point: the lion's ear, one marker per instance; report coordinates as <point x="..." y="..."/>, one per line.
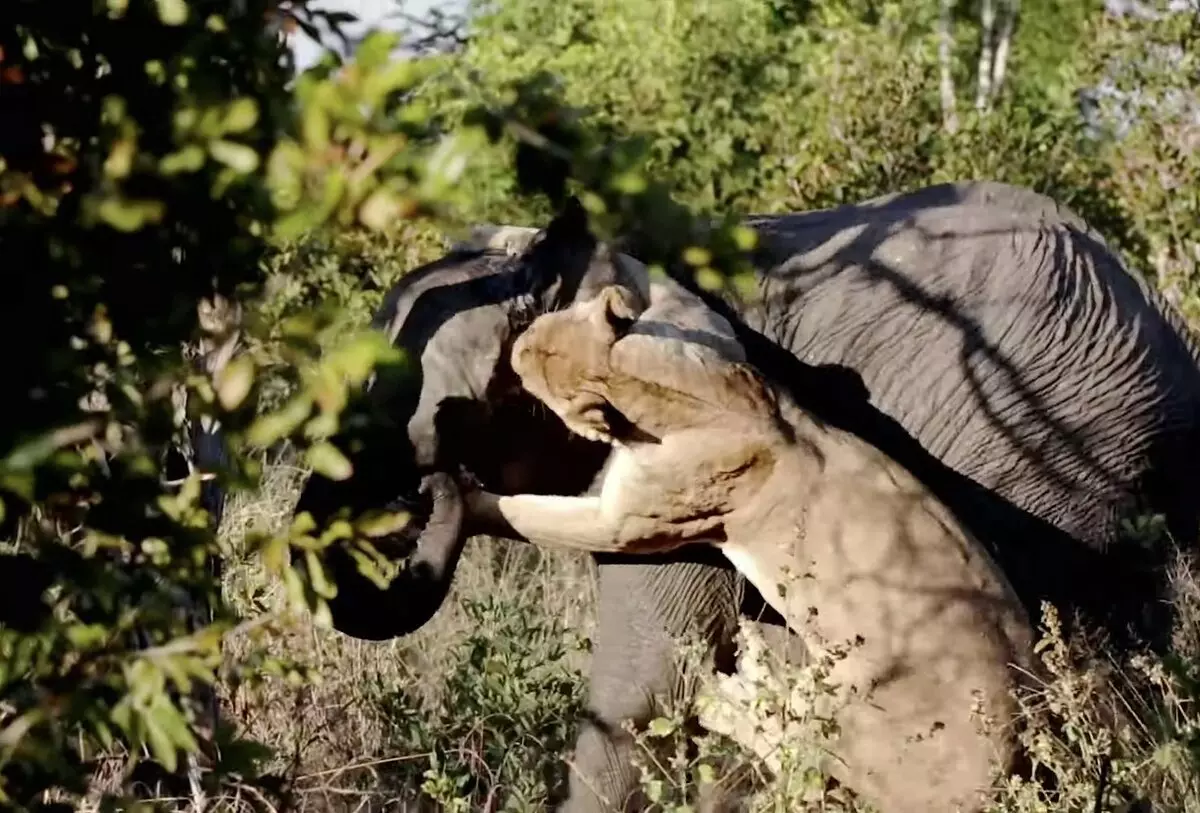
<point x="617" y="309"/>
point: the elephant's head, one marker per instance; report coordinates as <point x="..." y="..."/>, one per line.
<point x="462" y="411"/>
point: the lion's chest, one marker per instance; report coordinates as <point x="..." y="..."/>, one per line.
<point x="626" y="477"/>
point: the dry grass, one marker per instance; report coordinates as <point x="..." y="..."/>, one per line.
<point x="336" y="741"/>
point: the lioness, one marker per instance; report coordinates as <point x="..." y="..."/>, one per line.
<point x="706" y="450"/>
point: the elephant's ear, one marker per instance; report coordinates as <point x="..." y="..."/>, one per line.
<point x="555" y="264"/>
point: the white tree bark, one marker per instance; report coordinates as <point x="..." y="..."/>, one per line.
<point x="945" y="41"/>
<point x="987" y="23"/>
<point x="1003" y="46"/>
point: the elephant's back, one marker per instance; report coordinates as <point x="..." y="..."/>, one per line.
<point x="1002" y="333"/>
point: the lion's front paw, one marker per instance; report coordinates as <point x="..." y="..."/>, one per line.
<point x="599" y="434"/>
<point x="585" y="416"/>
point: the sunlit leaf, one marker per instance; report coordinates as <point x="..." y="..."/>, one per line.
<point x="375" y="49"/>
<point x="241" y="115"/>
<point x="276" y="425"/>
<point x="238" y="157"/>
<point x="661" y="727"/>
<point x="315" y="126"/>
<point x="130" y="215"/>
<point x="274" y="554"/>
<point x="697" y="256"/>
<point x="161" y="746"/>
<point x="383" y="523"/>
<point x="745" y="237"/>
<point x="326" y="459"/>
<point x="381" y="209"/>
<point x="316" y="573"/>
<point x="120" y="158"/>
<point x="172" y="12"/>
<point x="234" y="382"/>
<point x="709" y="279"/>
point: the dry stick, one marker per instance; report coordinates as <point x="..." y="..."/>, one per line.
<point x="1102" y="784"/>
<point x="354" y="766"/>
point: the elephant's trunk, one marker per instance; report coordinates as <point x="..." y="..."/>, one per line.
<point x="362" y="610"/>
<point x="385" y="473"/>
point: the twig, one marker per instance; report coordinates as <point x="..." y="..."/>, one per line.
<point x="1102" y="784"/>
<point x="356" y="765"/>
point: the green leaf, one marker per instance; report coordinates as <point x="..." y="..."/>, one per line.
<point x="745" y="237"/>
<point x="316" y="574"/>
<point x="236" y="156"/>
<point x="274" y="554"/>
<point x="629" y="183"/>
<point x="355" y="359"/>
<point x="382" y="523"/>
<point x="376" y="49"/>
<point x="315" y="126"/>
<point x="161" y="746"/>
<point x="87" y="636"/>
<point x="381" y="209"/>
<point x="130" y="215"/>
<point x="240" y="116"/>
<point x="172" y="12"/>
<point x="326" y="459"/>
<point x="373" y="565"/>
<point x="274" y="426"/>
<point x="322" y="425"/>
<point x="709" y="279"/>
<point x="186" y="160"/>
<point x="234" y="382"/>
<point x="399" y="75"/>
<point x="120" y="158"/>
<point x="173" y="724"/>
<point x="661" y="727"/>
<point x="697" y="256"/>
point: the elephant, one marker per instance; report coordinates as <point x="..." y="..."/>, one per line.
<point x="979" y="333"/>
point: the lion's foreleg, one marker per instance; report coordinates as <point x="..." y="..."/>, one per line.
<point x="581" y="523"/>
<point x="549" y="521"/>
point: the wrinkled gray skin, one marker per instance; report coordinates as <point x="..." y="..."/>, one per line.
<point x="1010" y="362"/>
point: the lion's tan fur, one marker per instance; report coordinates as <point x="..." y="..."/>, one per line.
<point x="839" y="538"/>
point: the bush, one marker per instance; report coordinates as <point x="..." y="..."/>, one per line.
<point x="506" y="714"/>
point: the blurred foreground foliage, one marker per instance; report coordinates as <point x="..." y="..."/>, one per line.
<point x="152" y="152"/>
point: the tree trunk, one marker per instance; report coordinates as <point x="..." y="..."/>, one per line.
<point x="949" y="113"/>
<point x="987" y="23"/>
<point x="1004" y="45"/>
